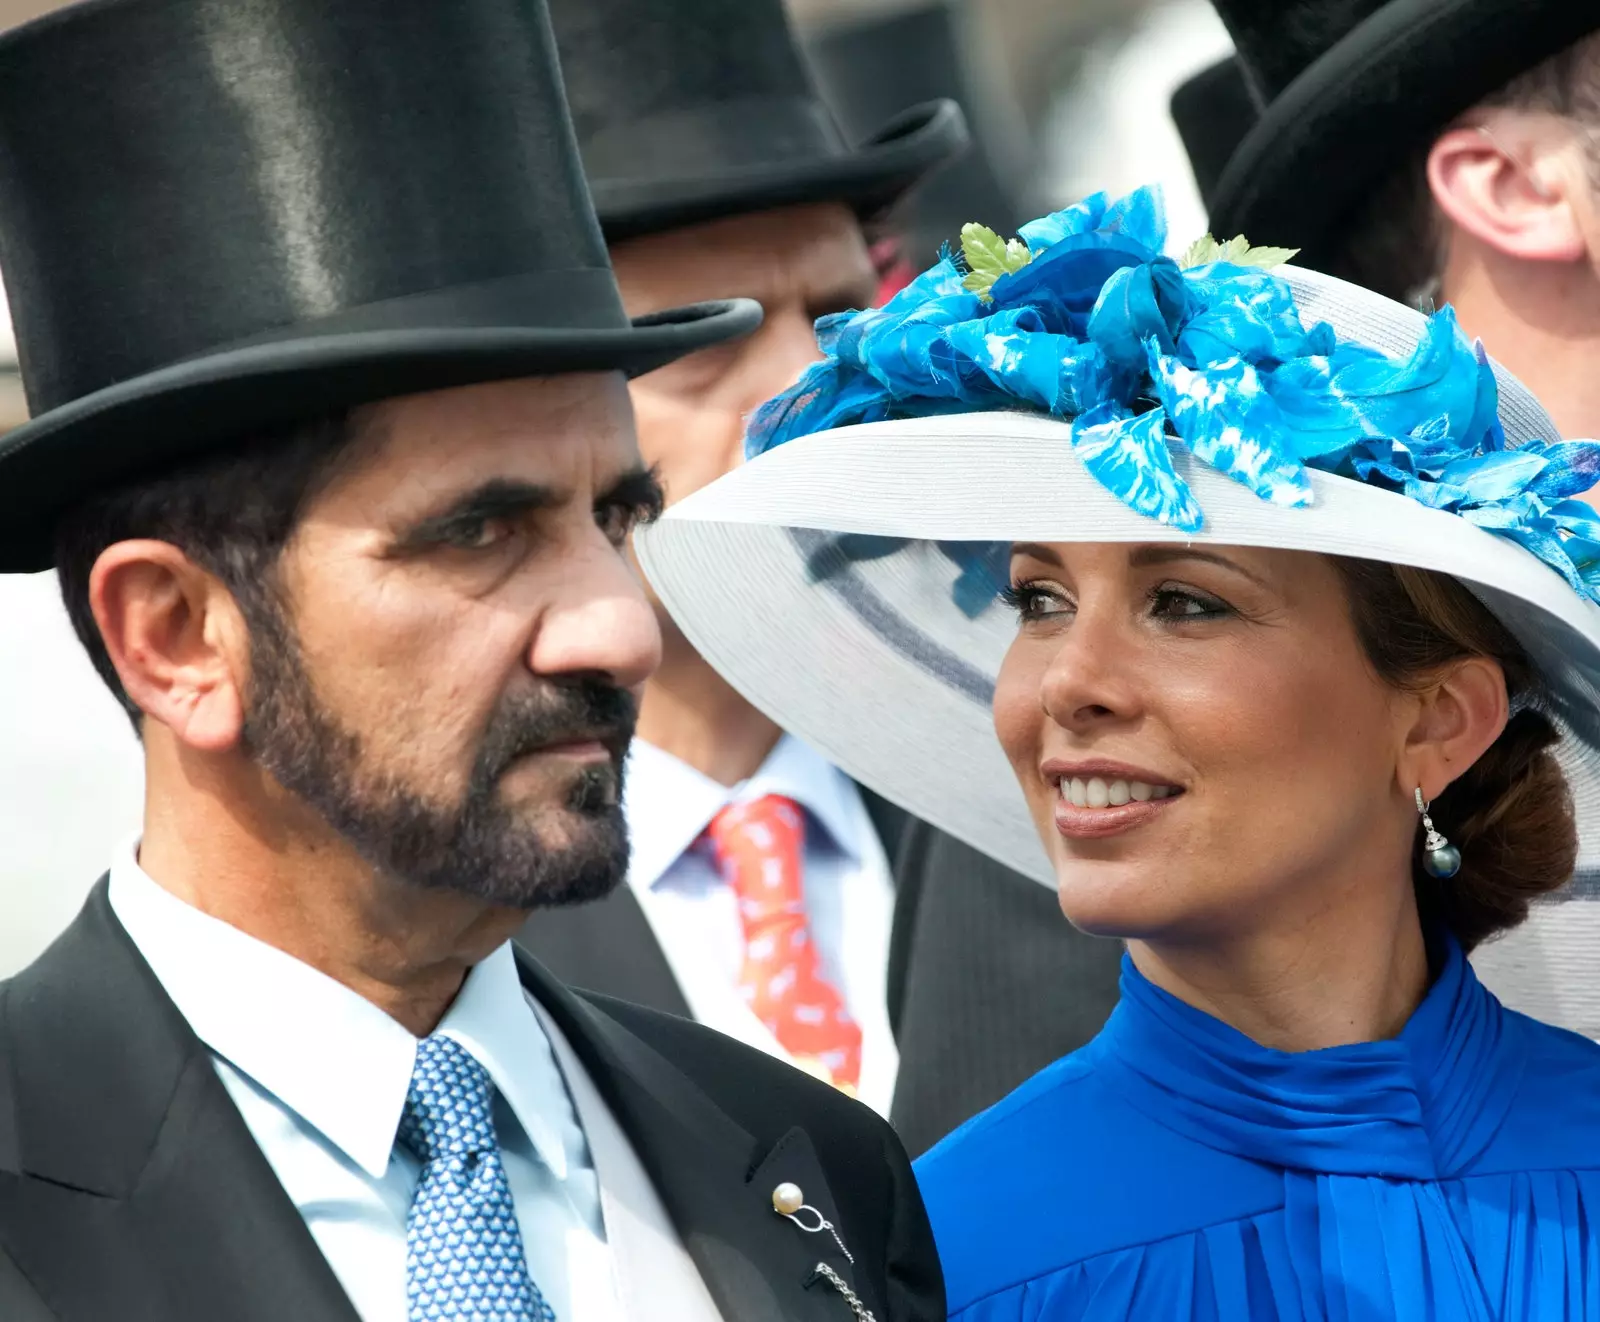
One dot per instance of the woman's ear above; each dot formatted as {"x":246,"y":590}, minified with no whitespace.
{"x":1455,"y":724}
{"x":1510,"y":183}
{"x":176,"y":639}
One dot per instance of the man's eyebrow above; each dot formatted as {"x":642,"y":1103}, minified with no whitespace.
{"x":497,"y":498}
{"x":638,"y":490}
{"x":844,"y":296}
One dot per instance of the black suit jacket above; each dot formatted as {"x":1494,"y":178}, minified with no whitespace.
{"x":132,"y":1191}
{"x":988,"y":982}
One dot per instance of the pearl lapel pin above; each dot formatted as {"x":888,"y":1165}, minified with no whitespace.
{"x":789,"y":1202}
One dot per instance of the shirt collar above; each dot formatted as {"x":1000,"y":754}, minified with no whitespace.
{"x":669,"y":803}
{"x":328,"y":1054}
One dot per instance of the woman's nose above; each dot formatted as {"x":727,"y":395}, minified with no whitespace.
{"x":1090,"y":678}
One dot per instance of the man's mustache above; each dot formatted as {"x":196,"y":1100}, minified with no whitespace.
{"x":578,"y":712}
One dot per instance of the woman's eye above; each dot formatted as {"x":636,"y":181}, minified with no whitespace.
{"x":1187,"y":604}
{"x":1033,"y":602}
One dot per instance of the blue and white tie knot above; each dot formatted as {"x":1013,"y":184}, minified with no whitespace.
{"x":450,"y":1108}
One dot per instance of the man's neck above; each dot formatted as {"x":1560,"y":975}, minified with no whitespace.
{"x":693,"y":713}
{"x":1541,"y":321}
{"x":258,"y":863}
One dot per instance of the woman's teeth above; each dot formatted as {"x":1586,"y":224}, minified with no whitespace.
{"x":1097,"y":793}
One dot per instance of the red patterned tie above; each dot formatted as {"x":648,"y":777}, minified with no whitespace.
{"x":759,"y":847}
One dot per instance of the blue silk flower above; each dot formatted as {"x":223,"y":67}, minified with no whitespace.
{"x":1139,"y":354}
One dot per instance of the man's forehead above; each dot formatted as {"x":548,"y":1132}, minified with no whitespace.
{"x":807,"y":251}
{"x":570,"y":430}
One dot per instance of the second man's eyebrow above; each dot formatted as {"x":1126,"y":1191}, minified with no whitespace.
{"x":498,"y":498}
{"x":845,"y":297}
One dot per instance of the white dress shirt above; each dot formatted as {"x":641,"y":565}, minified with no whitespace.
{"x":320,"y":1075}
{"x":695,"y":916}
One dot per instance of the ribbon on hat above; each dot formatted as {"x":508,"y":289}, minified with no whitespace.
{"x":1084,"y":318}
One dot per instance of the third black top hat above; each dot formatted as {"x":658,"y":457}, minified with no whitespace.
{"x":221,"y":215}
{"x":1326,"y":97}
{"x":691,"y":109}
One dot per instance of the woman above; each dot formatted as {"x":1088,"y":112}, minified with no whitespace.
{"x":1298,"y":684}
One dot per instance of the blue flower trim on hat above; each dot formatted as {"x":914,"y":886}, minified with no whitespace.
{"x":1086,"y":320}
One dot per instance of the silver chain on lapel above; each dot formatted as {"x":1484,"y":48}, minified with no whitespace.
{"x":788,"y":1201}
{"x":862,"y":1312}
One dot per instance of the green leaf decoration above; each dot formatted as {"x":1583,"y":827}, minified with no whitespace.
{"x":988,"y":257}
{"x":1237,"y":251}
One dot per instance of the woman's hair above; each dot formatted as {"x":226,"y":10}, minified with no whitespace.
{"x":1510,"y":813}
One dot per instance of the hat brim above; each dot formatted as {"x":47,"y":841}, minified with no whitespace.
{"x":813,"y":578}
{"x":868,"y":179}
{"x":185,"y":410}
{"x":1378,"y":95}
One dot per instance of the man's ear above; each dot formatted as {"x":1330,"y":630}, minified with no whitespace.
{"x":1454,"y":726}
{"x":176,"y":638}
{"x":1511,"y":183}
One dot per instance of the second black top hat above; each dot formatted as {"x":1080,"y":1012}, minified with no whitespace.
{"x":691,"y":109}
{"x":1326,"y":97}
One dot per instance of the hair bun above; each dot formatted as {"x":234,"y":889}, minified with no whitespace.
{"x":1510,"y":814}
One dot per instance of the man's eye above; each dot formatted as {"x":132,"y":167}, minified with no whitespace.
{"x":617,"y":522}
{"x":479,"y":534}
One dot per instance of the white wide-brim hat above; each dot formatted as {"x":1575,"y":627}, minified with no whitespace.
{"x":858,"y":647}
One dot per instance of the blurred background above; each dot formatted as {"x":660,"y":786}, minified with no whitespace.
{"x":1066,"y":97}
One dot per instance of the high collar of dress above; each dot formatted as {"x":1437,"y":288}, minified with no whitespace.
{"x":1418,"y":1106}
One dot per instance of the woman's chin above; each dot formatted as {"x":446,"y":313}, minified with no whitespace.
{"x":1113,"y":900}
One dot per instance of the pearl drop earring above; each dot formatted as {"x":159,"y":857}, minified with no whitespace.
{"x":1440,"y":858}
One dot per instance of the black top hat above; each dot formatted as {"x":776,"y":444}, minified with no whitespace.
{"x":218,"y":216}
{"x":871,"y":67}
{"x":1328,"y":96}
{"x":687,"y":110}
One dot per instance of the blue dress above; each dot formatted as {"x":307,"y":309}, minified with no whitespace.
{"x":1174,"y":1170}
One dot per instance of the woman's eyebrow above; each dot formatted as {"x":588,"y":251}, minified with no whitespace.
{"x":1144,"y":557}
{"x":1037,"y":551}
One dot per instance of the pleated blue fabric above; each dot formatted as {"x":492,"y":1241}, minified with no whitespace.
{"x":1174,"y":1170}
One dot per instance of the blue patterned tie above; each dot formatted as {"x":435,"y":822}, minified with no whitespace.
{"x":464,"y":1256}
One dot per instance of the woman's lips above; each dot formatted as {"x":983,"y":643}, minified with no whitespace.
{"x":1121,"y":806}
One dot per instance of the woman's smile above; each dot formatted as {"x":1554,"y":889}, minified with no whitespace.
{"x":1099,"y":799}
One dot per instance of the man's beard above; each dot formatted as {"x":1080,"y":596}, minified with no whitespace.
{"x":477,"y":846}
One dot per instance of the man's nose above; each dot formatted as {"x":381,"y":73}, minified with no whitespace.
{"x":599,"y":624}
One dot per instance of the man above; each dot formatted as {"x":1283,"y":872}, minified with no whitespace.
{"x":1436,"y":154}
{"x":717,"y":172}
{"x":332,"y":452}
{"x":1441,"y":157}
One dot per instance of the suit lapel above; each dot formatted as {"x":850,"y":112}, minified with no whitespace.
{"x":713,"y":1177}
{"x":888,"y":820}
{"x":609,"y":947}
{"x":130,"y":1186}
